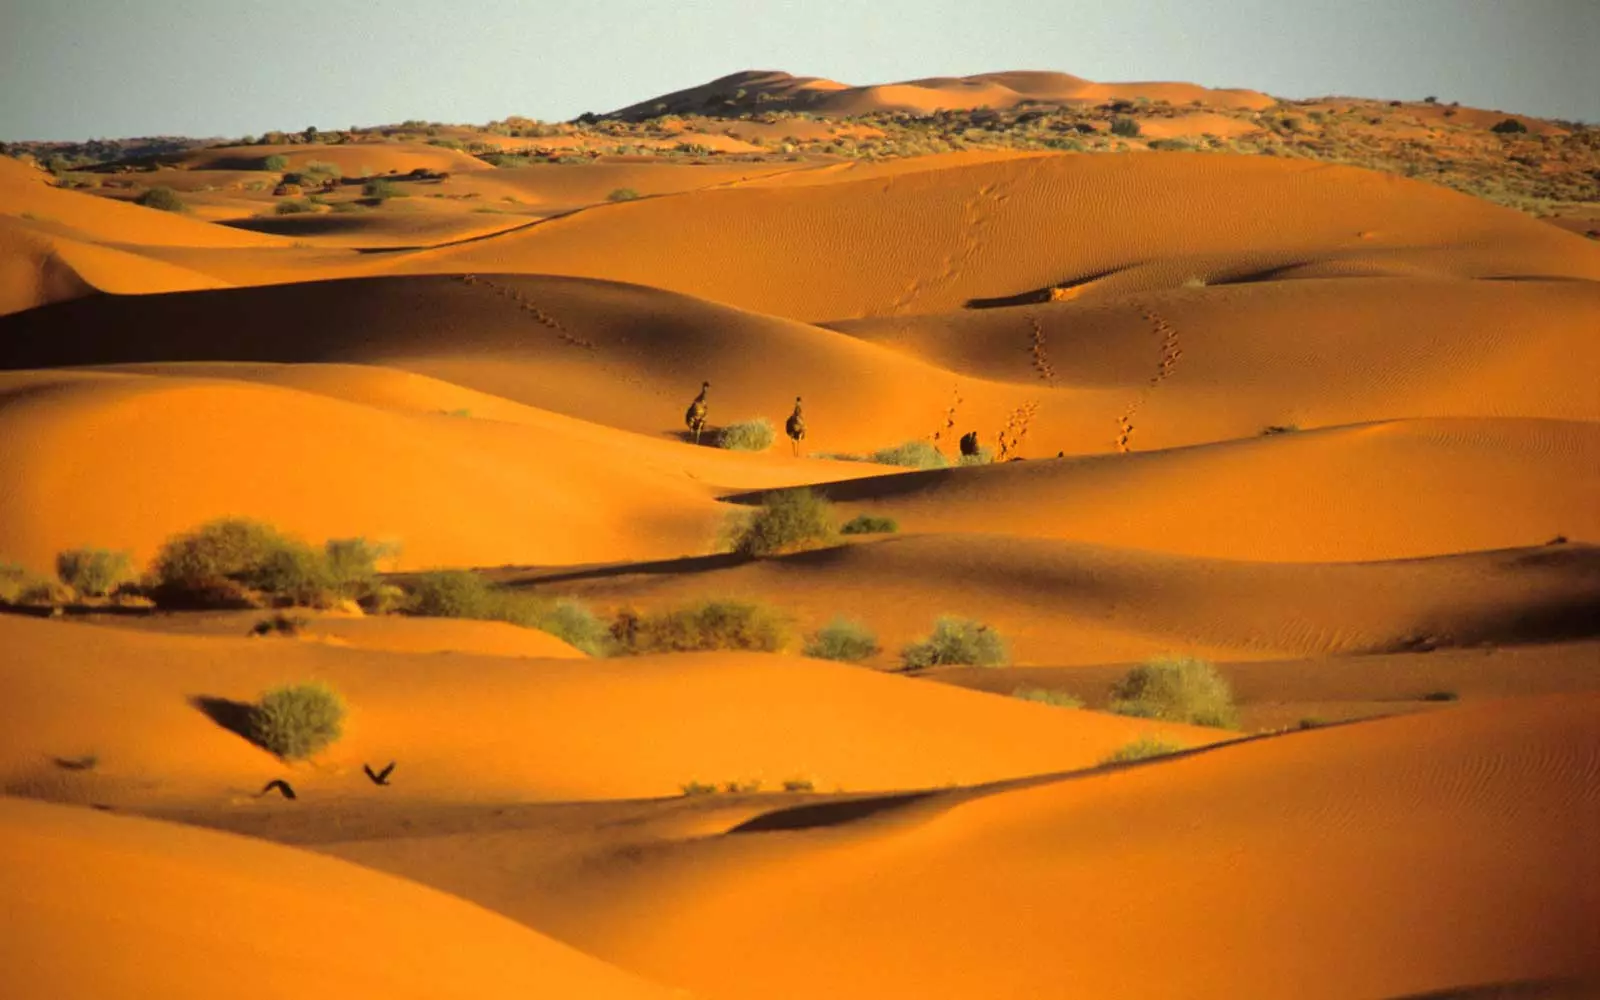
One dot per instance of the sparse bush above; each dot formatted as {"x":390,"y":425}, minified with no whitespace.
{"x":1045,"y":696}
{"x":297,"y":720}
{"x":576,"y":625}
{"x":622,"y":194}
{"x":281,"y":624}
{"x":985,"y":456}
{"x":277,"y":163}
{"x":450,"y":593}
{"x":322,"y":168}
{"x":709,"y":625}
{"x":164,"y":199}
{"x":1143,"y":748}
{"x":94,"y":572}
{"x":1509,"y":126}
{"x":843,"y":640}
{"x":19,"y":585}
{"x":1180,"y":689}
{"x":380,"y":189}
{"x":352,"y":569}
{"x":698,"y":788}
{"x":1125,"y":127}
{"x":787,"y":521}
{"x":911,"y":455}
{"x":869,"y":524}
{"x":755,"y":434}
{"x":464,"y":594}
{"x":225,"y":559}
{"x":1272,"y":429}
{"x":1441,"y":696}
{"x":953,"y":642}
{"x":292,"y":207}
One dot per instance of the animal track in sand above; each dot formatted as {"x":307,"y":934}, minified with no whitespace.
{"x":1171,"y":351}
{"x":974,"y":226}
{"x":1041,"y":360}
{"x":950,"y":414}
{"x":526,"y":305}
{"x":1016,"y":428}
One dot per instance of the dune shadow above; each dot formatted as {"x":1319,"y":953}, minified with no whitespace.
{"x":822,"y":814}
{"x":682,"y":564}
{"x":234,"y":716}
{"x":1038,"y":296}
{"x":1521,"y":989}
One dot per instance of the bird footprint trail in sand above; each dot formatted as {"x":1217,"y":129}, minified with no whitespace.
{"x":1170,"y":353}
{"x":974,"y":230}
{"x":527,"y":306}
{"x":950,"y":414}
{"x":1041,"y":360}
{"x":1016,"y":429}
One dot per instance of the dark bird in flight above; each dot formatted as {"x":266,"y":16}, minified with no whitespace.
{"x":379,"y":777}
{"x":280,"y":785}
{"x":695,"y":416}
{"x":796,"y":427}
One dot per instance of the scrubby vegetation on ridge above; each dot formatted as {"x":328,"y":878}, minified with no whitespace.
{"x":94,"y":572}
{"x":843,"y":640}
{"x":869,"y":524}
{"x":786,"y":521}
{"x":465,"y":594}
{"x":1045,"y":696}
{"x":956,"y":642}
{"x":705,"y":626}
{"x":1176,"y":689}
{"x":755,"y":434}
{"x":1143,"y":748}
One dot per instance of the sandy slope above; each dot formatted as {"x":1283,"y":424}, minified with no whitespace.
{"x":1381,"y":859}
{"x":1061,"y":602}
{"x":494,"y":728}
{"x":100,"y":906}
{"x":352,"y":159}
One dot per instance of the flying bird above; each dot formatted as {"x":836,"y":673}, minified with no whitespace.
{"x":796,"y":426}
{"x":695,"y":416}
{"x":380,"y":777}
{"x":279,"y":785}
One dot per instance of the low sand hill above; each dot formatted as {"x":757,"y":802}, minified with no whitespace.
{"x":1446,"y":850}
{"x":354,"y":159}
{"x":768,"y":90}
{"x":948,"y":237}
{"x":493,"y":728}
{"x":1061,"y":602}
{"x":100,"y":906}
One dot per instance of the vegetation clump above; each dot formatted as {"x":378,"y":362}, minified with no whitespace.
{"x":18,"y":585}
{"x":1143,"y":748}
{"x":1179,"y":689}
{"x":380,"y":189}
{"x":94,"y":572}
{"x":1045,"y":696}
{"x":623,"y":194}
{"x":221,"y":562}
{"x":459,"y":593}
{"x":755,"y":434}
{"x":276,"y":163}
{"x":869,"y":524}
{"x":297,"y":720}
{"x":1126,"y":127}
{"x":708,"y":625}
{"x":917,"y":454}
{"x":843,"y":640}
{"x":956,"y":642}
{"x":1509,"y":126}
{"x":787,"y":521}
{"x":292,"y":206}
{"x":163,"y":198}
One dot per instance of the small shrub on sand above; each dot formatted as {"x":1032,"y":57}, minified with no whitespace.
{"x":1125,"y":127}
{"x":576,"y":625}
{"x":869,"y":524}
{"x":985,"y":456}
{"x":698,"y":788}
{"x":464,"y":594}
{"x":755,"y":434}
{"x":163,"y":198}
{"x":1045,"y":696}
{"x":911,"y":455}
{"x":1143,"y":748}
{"x":1441,"y":696}
{"x":94,"y":572}
{"x":799,"y":785}
{"x":230,"y":555}
{"x":277,"y":163}
{"x":1509,"y":126}
{"x":1181,"y":689}
{"x":450,"y":593}
{"x":19,"y":585}
{"x":709,"y":625}
{"x":293,"y":206}
{"x":843,"y":640}
{"x":956,"y":641}
{"x":297,"y":720}
{"x":281,"y":624}
{"x":787,"y":521}
{"x":622,"y":194}
{"x":379,"y":189}
{"x":322,"y":169}
{"x":352,"y":568}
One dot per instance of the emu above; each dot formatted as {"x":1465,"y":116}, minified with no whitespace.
{"x":695,"y":416}
{"x":796,"y":427}
{"x":969,"y":443}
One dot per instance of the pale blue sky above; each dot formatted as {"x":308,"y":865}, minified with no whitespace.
{"x":76,"y":69}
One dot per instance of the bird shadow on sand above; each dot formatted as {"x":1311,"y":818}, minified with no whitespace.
{"x":234,"y":716}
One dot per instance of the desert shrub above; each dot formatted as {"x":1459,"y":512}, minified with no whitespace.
{"x":1143,"y":748}
{"x":380,"y":189}
{"x":1180,"y":689}
{"x":464,"y":594}
{"x":292,"y":207}
{"x":799,"y":785}
{"x":576,"y":625}
{"x":1272,"y":429}
{"x":755,"y":434}
{"x":1171,"y":145}
{"x":1509,"y":126}
{"x":280,"y":624}
{"x":352,"y":569}
{"x":985,"y":456}
{"x":1045,"y":696}
{"x":697,"y":788}
{"x":322,"y":168}
{"x":94,"y":572}
{"x":277,"y":163}
{"x":622,"y":194}
{"x":506,"y":161}
{"x":297,"y":720}
{"x":1441,"y":696}
{"x":708,"y":625}
{"x":843,"y":640}
{"x":163,"y":198}
{"x":911,"y":455}
{"x":1125,"y":127}
{"x":787,"y":521}
{"x":450,"y":593}
{"x":19,"y":585}
{"x":956,"y":641}
{"x":200,"y":565}
{"x":869,"y":524}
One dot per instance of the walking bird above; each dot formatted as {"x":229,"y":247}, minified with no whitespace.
{"x":796,"y":426}
{"x":380,"y":777}
{"x":695,"y":416}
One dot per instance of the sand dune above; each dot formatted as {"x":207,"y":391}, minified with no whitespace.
{"x":102,"y":906}
{"x":495,"y":728}
{"x":1061,"y":602}
{"x":352,"y":159}
{"x":1423,"y":851}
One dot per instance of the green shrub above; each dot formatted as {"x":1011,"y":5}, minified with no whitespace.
{"x":380,"y":189}
{"x":698,"y":788}
{"x":163,"y":198}
{"x":911,"y":455}
{"x":352,"y":568}
{"x":1045,"y":696}
{"x":708,"y":625}
{"x":1125,"y":127}
{"x":277,"y":163}
{"x":199,"y":565}
{"x":464,"y":594}
{"x":94,"y":572}
{"x":450,"y":593}
{"x":799,"y":785}
{"x":1181,"y":689}
{"x":321,"y":168}
{"x":755,"y":434}
{"x":297,"y":720}
{"x":577,"y":626}
{"x":843,"y":640}
{"x":787,"y":521}
{"x":869,"y":524}
{"x":956,"y":641}
{"x":19,"y":585}
{"x":292,"y":207}
{"x":985,"y":456}
{"x":1143,"y":748}
{"x":622,"y":194}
